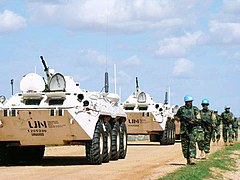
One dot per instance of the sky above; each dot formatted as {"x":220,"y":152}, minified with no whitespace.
{"x":187,"y":47}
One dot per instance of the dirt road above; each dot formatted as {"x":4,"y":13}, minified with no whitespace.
{"x":144,"y":160}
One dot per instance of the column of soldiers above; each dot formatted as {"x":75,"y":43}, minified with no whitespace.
{"x":199,"y":127}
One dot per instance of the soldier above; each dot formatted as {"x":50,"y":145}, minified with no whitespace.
{"x":235,"y":129}
{"x":207,"y":121}
{"x":216,"y":130}
{"x":227,"y":120}
{"x":187,"y":116}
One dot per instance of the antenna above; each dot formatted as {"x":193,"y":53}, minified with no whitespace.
{"x":12,"y":80}
{"x":107,"y":34}
{"x":106,"y":83}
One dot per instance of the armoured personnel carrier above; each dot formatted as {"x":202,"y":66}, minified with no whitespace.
{"x":146,"y":117}
{"x":56,"y":111}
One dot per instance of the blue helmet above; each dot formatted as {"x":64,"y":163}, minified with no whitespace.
{"x":205,"y":101}
{"x":215,"y":110}
{"x":227,"y":107}
{"x":188,"y":98}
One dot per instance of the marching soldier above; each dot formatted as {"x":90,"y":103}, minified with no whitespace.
{"x":216,"y":130}
{"x":187,"y":116}
{"x":235,"y":129}
{"x":227,"y":120}
{"x":207,"y":121}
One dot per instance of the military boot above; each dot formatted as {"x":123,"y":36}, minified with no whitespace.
{"x":201,"y":155}
{"x":206,"y":156}
{"x":225,"y":143}
{"x":192,"y":161}
{"x":188,"y":161}
{"x":231,"y":143}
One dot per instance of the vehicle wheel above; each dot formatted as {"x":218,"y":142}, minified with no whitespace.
{"x":9,"y":155}
{"x":123,"y":141}
{"x":115,"y":141}
{"x":164,"y":140}
{"x":107,"y":149}
{"x":173,"y":133}
{"x":32,"y":153}
{"x":94,"y":148}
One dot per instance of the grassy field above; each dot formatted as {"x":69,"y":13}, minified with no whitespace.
{"x":218,"y":163}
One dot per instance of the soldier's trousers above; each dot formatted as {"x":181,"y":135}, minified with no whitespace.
{"x":227,"y":133}
{"x":188,"y":141}
{"x":235,"y":134}
{"x":216,"y":134}
{"x":205,"y":143}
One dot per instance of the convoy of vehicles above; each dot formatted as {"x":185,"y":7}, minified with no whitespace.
{"x":146,"y":117}
{"x":56,"y":111}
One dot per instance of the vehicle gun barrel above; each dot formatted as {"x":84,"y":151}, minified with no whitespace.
{"x":46,"y":69}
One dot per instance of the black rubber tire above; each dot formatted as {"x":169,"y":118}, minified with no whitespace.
{"x":169,"y":134}
{"x":94,"y":148}
{"x":32,"y":153}
{"x":107,"y":149}
{"x":169,"y":131}
{"x":123,"y":141}
{"x":115,"y":141}
{"x":173,"y":133}
{"x":9,"y":155}
{"x":164,"y":139}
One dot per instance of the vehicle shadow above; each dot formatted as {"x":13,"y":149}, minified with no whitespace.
{"x":143,"y":144}
{"x":54,"y":161}
{"x":149,"y":143}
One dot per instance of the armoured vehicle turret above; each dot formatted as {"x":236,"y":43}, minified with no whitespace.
{"x":56,"y":111}
{"x":147,"y":117}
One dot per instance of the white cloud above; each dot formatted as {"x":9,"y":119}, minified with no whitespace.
{"x":133,"y":60}
{"x":124,"y":15}
{"x":227,"y":33}
{"x":179,"y":46}
{"x":231,"y":6}
{"x":236,"y":55}
{"x":9,"y":21}
{"x":123,"y":77}
{"x":90,"y":57}
{"x":183,"y":68}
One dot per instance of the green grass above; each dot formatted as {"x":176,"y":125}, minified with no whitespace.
{"x":221,"y":160}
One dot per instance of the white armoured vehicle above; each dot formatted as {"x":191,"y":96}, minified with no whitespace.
{"x":58,"y":112}
{"x":146,"y":117}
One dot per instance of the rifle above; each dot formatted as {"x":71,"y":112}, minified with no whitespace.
{"x":207,"y":124}
{"x":189,"y":121}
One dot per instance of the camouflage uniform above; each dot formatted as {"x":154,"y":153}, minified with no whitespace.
{"x":216,"y":130}
{"x":188,"y":130}
{"x":235,"y":129}
{"x":227,"y":120}
{"x":206,"y":120}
